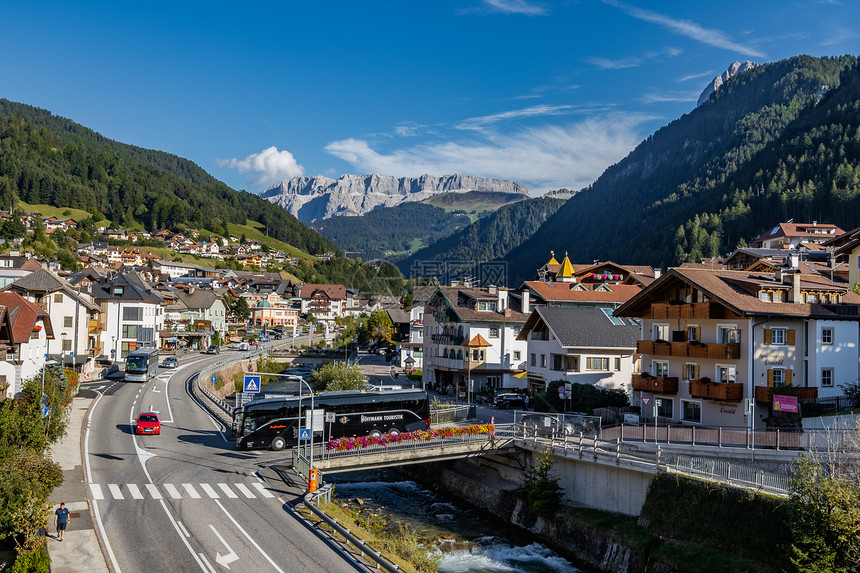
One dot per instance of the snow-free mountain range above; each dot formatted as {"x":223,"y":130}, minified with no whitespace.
{"x":312,"y":198}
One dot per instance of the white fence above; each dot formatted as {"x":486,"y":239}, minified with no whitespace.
{"x":726,"y":472}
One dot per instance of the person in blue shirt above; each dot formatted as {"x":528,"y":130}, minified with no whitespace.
{"x":61,"y":520}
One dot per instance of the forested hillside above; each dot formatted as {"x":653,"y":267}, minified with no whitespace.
{"x":777,"y":142}
{"x":51,"y":160}
{"x":386,"y":229}
{"x":490,"y":237}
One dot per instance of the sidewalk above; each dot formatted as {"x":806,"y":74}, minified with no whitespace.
{"x":80,"y":550}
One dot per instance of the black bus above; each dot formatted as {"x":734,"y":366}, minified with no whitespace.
{"x":274,"y":422}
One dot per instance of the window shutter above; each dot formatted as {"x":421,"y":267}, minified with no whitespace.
{"x":770,"y":377}
{"x":788,"y":377}
{"x":696,"y":372}
{"x":698,"y":334}
{"x":768,"y":337}
{"x":789,"y":337}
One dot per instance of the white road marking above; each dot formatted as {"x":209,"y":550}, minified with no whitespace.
{"x":191,"y":491}
{"x":182,"y":527}
{"x":263,"y":491}
{"x":135,"y":491}
{"x":153,"y":491}
{"x":249,"y":538}
{"x":209,"y":491}
{"x":96,"y":490}
{"x":245,"y":491}
{"x":115,"y":491}
{"x":171,"y":489}
{"x":224,"y":560}
{"x":227,"y":491}
{"x":206,"y":562}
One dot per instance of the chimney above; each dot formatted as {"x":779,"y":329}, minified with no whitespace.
{"x":491,"y":289}
{"x":503,"y":300}
{"x":795,"y":288}
{"x":794,"y":260}
{"x":657,"y":273}
{"x":525,"y":304}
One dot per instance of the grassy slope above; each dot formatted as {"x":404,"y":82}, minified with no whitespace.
{"x":51,"y":211}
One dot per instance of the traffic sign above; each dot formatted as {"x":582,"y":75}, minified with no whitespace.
{"x":646,"y":400}
{"x":305,"y":434}
{"x":329,"y":416}
{"x":561,"y":390}
{"x":214,"y":379}
{"x":251,"y":384}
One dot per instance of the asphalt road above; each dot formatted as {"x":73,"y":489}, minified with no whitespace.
{"x":187,"y":500}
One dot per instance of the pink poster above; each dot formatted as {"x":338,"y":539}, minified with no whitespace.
{"x":784,"y":403}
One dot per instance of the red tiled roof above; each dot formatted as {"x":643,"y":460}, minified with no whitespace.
{"x":564,"y":292}
{"x":334,"y":292}
{"x":23,"y":316}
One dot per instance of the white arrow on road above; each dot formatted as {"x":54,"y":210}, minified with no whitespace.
{"x":231,"y":556}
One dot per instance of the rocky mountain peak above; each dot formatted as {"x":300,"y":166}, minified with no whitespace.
{"x":735,"y":69}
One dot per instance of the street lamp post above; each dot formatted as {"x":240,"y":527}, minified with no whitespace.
{"x":63,"y":349}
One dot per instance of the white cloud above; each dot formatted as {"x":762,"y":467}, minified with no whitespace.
{"x":617,"y":64}
{"x":547,"y":157}
{"x":689,"y":77}
{"x":407,"y":128}
{"x":660,"y":97}
{"x":270,"y":165}
{"x":709,"y":36}
{"x":534,"y":111}
{"x":515,"y":7}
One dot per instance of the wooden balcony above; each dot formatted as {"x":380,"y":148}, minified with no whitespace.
{"x":689,"y":349}
{"x":447,"y":339}
{"x":764,"y":394}
{"x":656,"y":384}
{"x":699,"y":310}
{"x":722,"y":391}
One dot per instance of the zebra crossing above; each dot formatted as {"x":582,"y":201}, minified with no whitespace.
{"x":252,"y":490}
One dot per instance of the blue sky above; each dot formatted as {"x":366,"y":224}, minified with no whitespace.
{"x":545,"y":93}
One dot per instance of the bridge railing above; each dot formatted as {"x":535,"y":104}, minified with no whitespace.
{"x":449,"y":415}
{"x":839,"y":440}
{"x":727,"y":472}
{"x":503,"y":433}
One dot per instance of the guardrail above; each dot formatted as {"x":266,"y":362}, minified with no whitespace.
{"x":727,"y":472}
{"x":363,"y":548}
{"x":449,"y":414}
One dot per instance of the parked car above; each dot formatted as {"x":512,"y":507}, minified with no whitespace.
{"x":170,"y":362}
{"x":213,"y":350}
{"x":113,"y":372}
{"x":147,"y":423}
{"x":244,"y":346}
{"x":505,"y":401}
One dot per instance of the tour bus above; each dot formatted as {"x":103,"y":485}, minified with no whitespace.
{"x":274,"y":422}
{"x":141,"y":365}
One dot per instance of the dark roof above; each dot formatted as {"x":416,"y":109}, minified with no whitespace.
{"x":398,"y":316}
{"x":133,"y":289}
{"x":584,"y":327}
{"x":200,"y":298}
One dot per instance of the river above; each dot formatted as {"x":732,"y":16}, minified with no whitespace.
{"x":469,"y":541}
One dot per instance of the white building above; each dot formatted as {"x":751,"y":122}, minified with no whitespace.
{"x":131,"y":314}
{"x":24,"y":333}
{"x":471,"y":332}
{"x":581,"y":345}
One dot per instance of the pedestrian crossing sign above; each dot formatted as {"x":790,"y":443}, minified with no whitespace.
{"x":251,"y":384}
{"x":305,"y":434}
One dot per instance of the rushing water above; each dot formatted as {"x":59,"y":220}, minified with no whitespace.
{"x":469,"y":541}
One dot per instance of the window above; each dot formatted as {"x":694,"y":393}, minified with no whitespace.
{"x":534,"y":359}
{"x":494,"y":332}
{"x":726,"y":374}
{"x":691,"y":371}
{"x":571,"y":363}
{"x":778,"y":376}
{"x":661,"y":332}
{"x":693,"y":333}
{"x":58,"y":297}
{"x":765,"y":296}
{"x":612,"y":318}
{"x":543,"y":360}
{"x":660,"y":368}
{"x":67,"y":345}
{"x":597,"y":363}
{"x":811,"y":297}
{"x":516,"y":331}
{"x":826,"y":336}
{"x":68,"y":321}
{"x":557,"y":360}
{"x":132,"y":313}
{"x":691,"y":411}
{"x":145,"y":334}
{"x":487,"y":306}
{"x":618,"y":365}
{"x":129,"y":331}
{"x":127,"y":348}
{"x":827,"y":377}
{"x":665,"y":407}
{"x":728,"y":334}
{"x":778,"y":296}
{"x":494,"y":382}
{"x":517,"y":355}
{"x":777,"y":336}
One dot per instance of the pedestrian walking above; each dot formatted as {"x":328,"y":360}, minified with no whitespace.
{"x":526,"y":401}
{"x":61,"y":520}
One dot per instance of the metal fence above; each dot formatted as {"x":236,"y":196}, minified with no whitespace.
{"x":811,"y":439}
{"x":725,"y":471}
{"x":449,"y":414}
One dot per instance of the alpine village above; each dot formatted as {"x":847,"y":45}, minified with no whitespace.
{"x":657,"y":372}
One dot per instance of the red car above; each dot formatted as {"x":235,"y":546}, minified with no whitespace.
{"x":147,"y":423}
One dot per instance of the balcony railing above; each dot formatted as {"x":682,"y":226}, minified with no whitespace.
{"x":690,"y":349}
{"x":656,"y":384}
{"x":723,"y":391}
{"x":764,"y":394}
{"x":686,"y":310}
{"x":447,"y":339}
